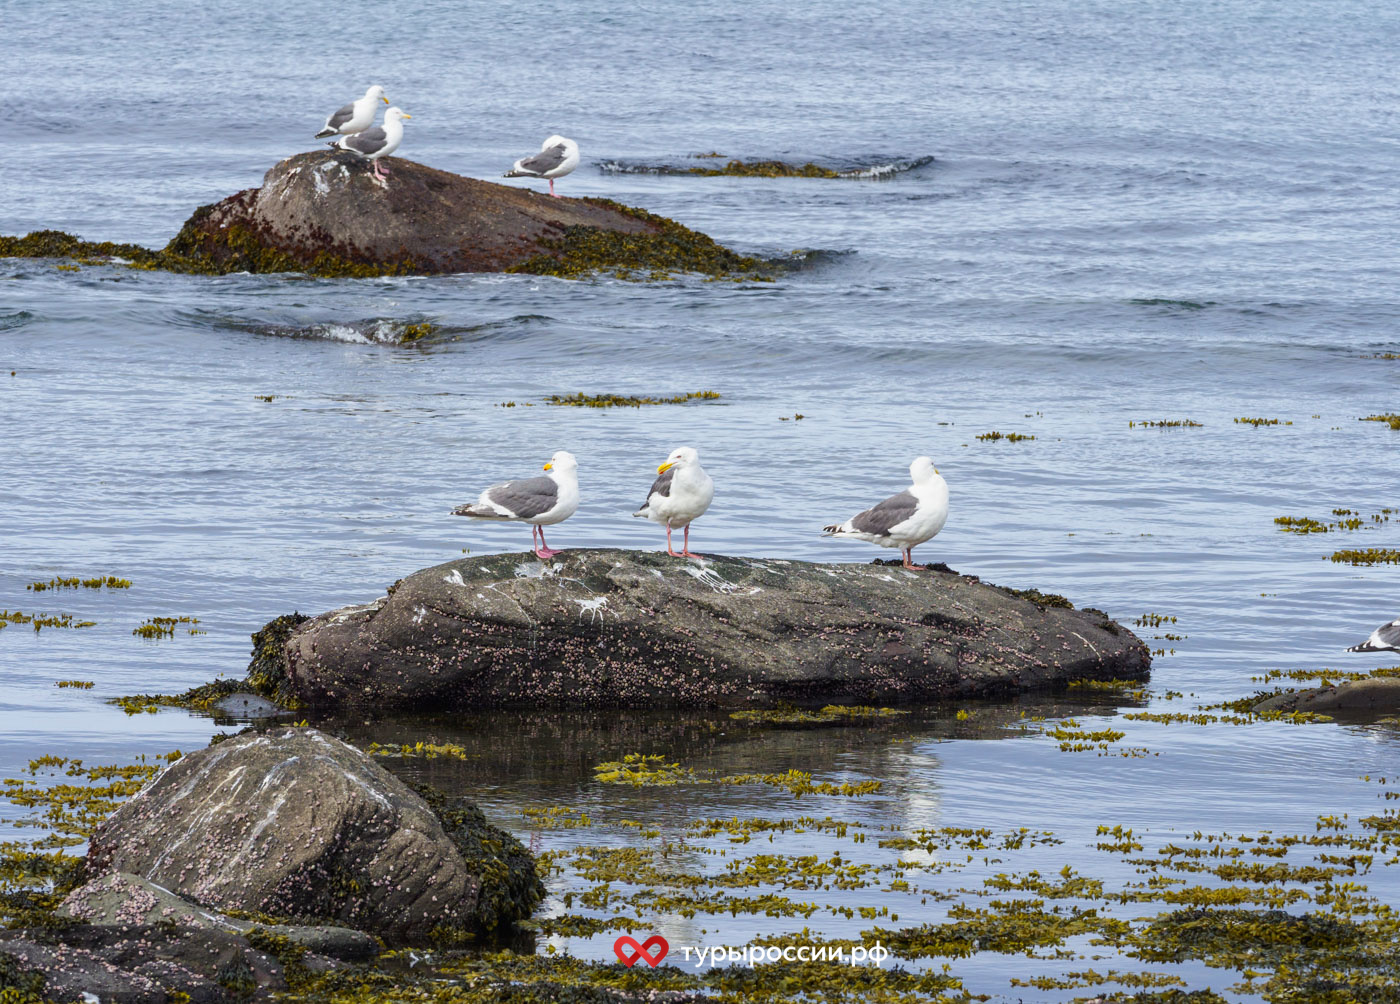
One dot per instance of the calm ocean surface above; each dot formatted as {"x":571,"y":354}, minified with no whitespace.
{"x":1136,"y":211}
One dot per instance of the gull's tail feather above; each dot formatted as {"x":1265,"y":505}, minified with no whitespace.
{"x":1365,"y":646}
{"x":325,"y":132}
{"x":478,"y":510}
{"x":832,"y":531}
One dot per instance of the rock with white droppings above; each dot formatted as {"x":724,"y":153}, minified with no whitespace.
{"x":615,"y":627}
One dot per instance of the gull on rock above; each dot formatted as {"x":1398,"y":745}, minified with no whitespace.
{"x":557,"y":157}
{"x":540,"y":501}
{"x":681,"y":494}
{"x":1385,"y":638}
{"x":904,"y":520}
{"x":372,"y":144}
{"x":355,"y":117}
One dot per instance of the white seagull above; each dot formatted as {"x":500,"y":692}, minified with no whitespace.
{"x":904,"y":520}
{"x":557,"y":157}
{"x":1385,"y":638}
{"x":372,"y":144}
{"x":681,"y":494}
{"x":540,"y":501}
{"x":355,"y":117}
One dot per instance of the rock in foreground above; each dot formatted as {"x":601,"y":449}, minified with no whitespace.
{"x":325,"y":213}
{"x":615,"y":627}
{"x":296,"y":824}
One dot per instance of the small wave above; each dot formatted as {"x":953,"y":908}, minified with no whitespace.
{"x":15,"y":320}
{"x":1173,"y":304}
{"x":710,"y":165}
{"x":375,"y":331}
{"x":809,"y":258}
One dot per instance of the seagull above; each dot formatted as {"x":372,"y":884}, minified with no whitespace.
{"x":540,"y":501}
{"x":557,"y":157}
{"x":378,"y":142}
{"x":904,"y":520}
{"x":681,"y":494}
{"x":1385,"y":638}
{"x":355,"y":117}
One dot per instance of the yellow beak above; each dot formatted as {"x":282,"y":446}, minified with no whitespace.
{"x":665,"y":467}
{"x":549,"y":467}
{"x":407,"y":116}
{"x":384,"y":99}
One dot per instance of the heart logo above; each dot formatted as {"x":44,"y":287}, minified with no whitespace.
{"x":640,"y":950}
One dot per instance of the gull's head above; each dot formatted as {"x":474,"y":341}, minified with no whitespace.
{"x":681,"y":456}
{"x":395,"y":114}
{"x":922,"y":469}
{"x":555,"y":140}
{"x":376,"y":93}
{"x":563,"y":462}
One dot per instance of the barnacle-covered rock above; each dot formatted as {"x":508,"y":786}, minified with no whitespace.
{"x":297,"y":825}
{"x":615,"y":627}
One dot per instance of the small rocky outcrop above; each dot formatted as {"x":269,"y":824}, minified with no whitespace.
{"x":1369,"y":698}
{"x":615,"y":627}
{"x":299,"y":826}
{"x":324,"y":212}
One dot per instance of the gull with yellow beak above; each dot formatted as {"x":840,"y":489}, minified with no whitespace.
{"x":355,"y":117}
{"x":681,"y":494}
{"x":904,"y":520}
{"x":538,"y":501}
{"x":372,"y":144}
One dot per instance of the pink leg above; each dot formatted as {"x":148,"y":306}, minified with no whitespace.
{"x":551,"y":188}
{"x":669,"y":548}
{"x":543,"y":552}
{"x":909,"y":561}
{"x":685,"y":548}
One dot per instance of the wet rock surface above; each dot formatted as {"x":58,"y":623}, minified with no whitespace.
{"x":615,"y":627}
{"x":297,"y":825}
{"x":1356,"y":698}
{"x":120,"y":899}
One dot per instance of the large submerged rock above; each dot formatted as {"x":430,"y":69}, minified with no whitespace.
{"x":615,"y":627}
{"x":295,"y":824}
{"x":324,"y":212}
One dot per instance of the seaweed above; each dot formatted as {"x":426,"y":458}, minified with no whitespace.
{"x":581,"y":400}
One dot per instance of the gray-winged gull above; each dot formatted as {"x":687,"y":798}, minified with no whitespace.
{"x":539,"y":501}
{"x":681,"y":494}
{"x":372,"y":144}
{"x":355,"y":117}
{"x":904,"y":520}
{"x":1385,"y":638}
{"x":557,"y":157}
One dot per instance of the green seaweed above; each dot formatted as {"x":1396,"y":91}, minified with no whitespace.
{"x":665,"y":248}
{"x":1391,"y":420}
{"x":581,"y":400}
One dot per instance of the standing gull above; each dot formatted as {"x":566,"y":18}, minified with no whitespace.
{"x":540,"y":501}
{"x":372,"y":144}
{"x":681,"y":494}
{"x":355,"y":117}
{"x":904,"y":520}
{"x":1385,"y":638}
{"x":557,"y":157}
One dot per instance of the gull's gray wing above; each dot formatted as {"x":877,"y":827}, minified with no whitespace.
{"x":1389,"y":634}
{"x":889,"y":513}
{"x":341,"y":117}
{"x":546,"y":160}
{"x":367,"y":142}
{"x":526,"y":497}
{"x":662,"y":485}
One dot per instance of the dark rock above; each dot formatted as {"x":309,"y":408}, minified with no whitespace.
{"x":324,"y":212}
{"x":295,"y":824}
{"x":1357,"y":699}
{"x":121,"y":899}
{"x":614,"y":627}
